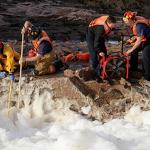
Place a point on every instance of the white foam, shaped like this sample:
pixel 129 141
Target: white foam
pixel 50 125
pixel 86 110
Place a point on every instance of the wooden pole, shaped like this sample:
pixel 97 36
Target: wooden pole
pixel 20 77
pixel 11 83
pixel 9 96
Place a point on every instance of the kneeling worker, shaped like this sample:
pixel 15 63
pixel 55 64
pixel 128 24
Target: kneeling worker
pixel 42 52
pixel 97 31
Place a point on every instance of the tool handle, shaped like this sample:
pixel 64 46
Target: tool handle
pixel 21 58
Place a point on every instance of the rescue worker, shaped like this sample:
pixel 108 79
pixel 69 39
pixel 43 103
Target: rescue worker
pixel 140 27
pixel 9 58
pixel 97 31
pixel 27 28
pixel 42 52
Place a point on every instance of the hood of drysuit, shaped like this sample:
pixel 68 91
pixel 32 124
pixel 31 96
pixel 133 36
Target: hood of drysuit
pixel 35 32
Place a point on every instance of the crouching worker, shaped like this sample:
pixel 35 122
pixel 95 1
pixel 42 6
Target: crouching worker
pixel 9 58
pixel 42 52
pixel 140 27
pixel 97 31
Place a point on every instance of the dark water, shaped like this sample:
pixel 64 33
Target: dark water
pixel 60 29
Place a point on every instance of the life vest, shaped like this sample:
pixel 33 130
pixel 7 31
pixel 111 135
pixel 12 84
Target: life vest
pixel 101 21
pixel 44 37
pixel 9 58
pixel 140 19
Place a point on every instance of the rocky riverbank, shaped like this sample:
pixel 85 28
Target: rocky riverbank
pixel 66 23
pixel 102 102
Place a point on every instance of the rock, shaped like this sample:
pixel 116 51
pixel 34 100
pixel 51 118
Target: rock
pixel 125 82
pixel 95 101
pixel 69 73
pixel 84 74
pixel 144 83
pixel 86 110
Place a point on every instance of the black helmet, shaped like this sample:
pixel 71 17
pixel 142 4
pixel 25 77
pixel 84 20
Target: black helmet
pixel 35 32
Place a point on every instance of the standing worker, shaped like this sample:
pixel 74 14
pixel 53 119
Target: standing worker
pixel 141 30
pixel 97 31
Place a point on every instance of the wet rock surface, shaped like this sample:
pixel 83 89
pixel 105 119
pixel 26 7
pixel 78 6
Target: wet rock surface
pixel 105 101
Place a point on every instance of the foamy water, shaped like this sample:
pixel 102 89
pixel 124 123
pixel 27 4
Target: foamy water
pixel 48 125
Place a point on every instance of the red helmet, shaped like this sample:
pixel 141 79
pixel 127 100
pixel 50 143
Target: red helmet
pixel 130 14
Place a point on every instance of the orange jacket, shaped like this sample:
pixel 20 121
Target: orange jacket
pixel 140 19
pixel 44 37
pixel 101 21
